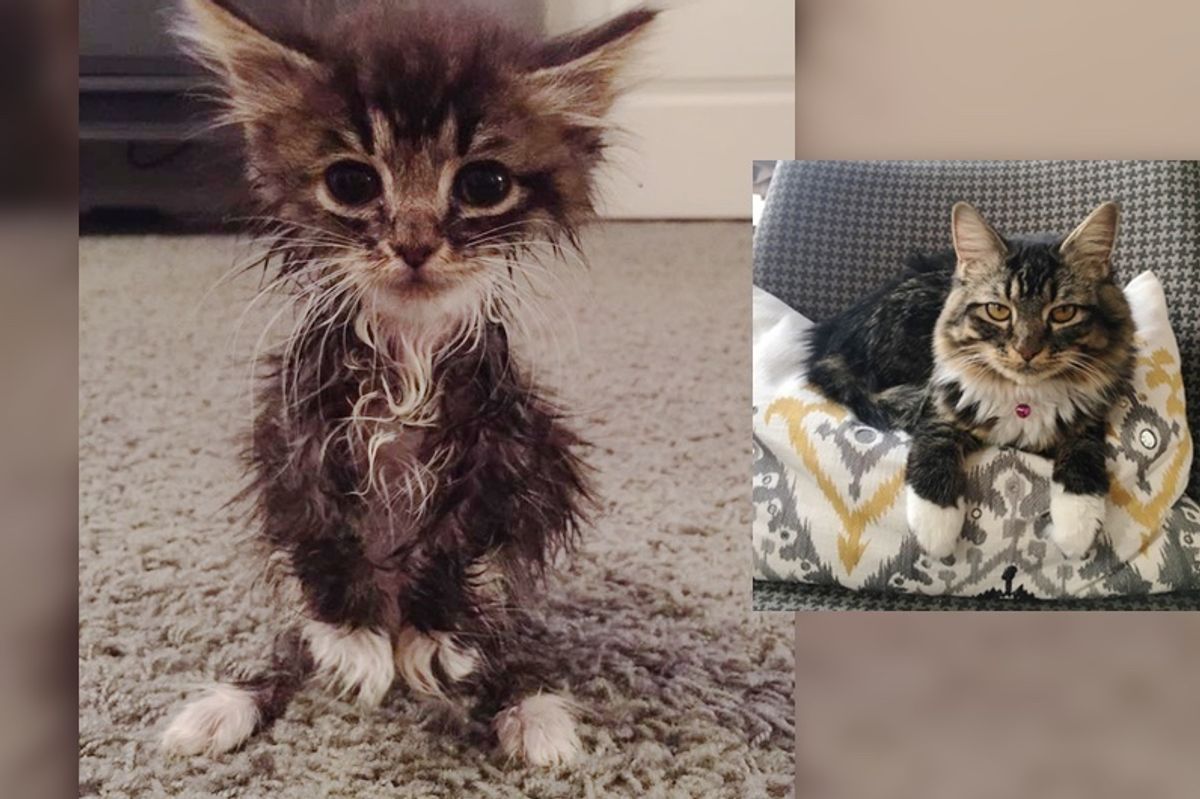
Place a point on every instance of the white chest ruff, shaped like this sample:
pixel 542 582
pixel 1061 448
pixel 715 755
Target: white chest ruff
pixel 1048 402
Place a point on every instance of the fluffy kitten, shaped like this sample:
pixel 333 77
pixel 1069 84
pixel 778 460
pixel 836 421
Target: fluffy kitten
pixel 415 168
pixel 1023 341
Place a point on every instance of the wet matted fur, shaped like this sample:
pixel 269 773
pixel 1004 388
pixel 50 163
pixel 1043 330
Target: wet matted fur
pixel 421 173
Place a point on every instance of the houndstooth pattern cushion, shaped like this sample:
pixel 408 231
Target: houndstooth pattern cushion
pixel 834 230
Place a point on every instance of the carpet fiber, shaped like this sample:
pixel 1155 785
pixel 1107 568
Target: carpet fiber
pixel 687 693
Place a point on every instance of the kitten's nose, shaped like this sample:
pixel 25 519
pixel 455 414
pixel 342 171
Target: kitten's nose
pixel 414 254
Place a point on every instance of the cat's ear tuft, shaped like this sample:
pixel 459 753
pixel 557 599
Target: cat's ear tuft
pixel 975 241
pixel 1091 244
pixel 255 69
pixel 581 72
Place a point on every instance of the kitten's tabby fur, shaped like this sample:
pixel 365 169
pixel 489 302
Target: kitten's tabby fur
pixel 407 476
pixel 951 349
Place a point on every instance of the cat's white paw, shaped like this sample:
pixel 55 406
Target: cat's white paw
pixel 937 529
pixel 1075 520
pixel 352 660
pixel 539 730
pixel 417 651
pixel 216 722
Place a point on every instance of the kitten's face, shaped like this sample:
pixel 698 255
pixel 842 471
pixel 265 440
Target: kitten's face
pixel 1038 308
pixel 413 154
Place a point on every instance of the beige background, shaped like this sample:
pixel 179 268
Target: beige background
pixel 1013 79
pixel 997 705
pixel 714 91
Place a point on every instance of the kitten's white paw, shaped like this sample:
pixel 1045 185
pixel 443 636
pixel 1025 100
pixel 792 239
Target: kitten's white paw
pixel 937 529
pixel 1075 520
pixel 214 723
pixel 352 660
pixel 540 730
pixel 416 653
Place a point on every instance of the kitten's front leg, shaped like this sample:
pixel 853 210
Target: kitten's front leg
pixel 935 483
pixel 428 661
pixel 334 641
pixel 533 725
pixel 1079 490
pixel 539 730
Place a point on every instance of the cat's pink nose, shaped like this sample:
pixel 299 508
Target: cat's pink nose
pixel 1029 351
pixel 414 254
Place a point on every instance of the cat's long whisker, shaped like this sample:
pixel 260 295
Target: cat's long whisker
pixel 240 266
pixel 288 225
pixel 269 291
pixel 492 232
pixel 314 289
pixel 541 280
pixel 529 315
pixel 351 300
pixel 314 317
pixel 1083 367
pixel 549 240
pixel 284 308
pixel 520 253
pixel 254 358
pixel 532 281
pixel 553 284
pixel 261 258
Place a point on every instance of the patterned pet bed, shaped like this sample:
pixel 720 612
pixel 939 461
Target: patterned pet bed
pixel 828 491
pixel 829 233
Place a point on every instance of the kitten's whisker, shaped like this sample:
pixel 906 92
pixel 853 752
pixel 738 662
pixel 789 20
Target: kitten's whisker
pixel 261 257
pixel 290 225
pixel 316 310
pixel 515 250
pixel 269 291
pixel 351 300
pixel 528 314
pixel 492 232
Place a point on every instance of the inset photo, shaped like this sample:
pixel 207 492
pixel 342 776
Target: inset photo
pixel 970 385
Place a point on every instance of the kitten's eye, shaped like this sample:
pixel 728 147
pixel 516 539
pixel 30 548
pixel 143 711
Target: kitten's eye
pixel 1063 313
pixel 998 312
pixel 352 182
pixel 482 184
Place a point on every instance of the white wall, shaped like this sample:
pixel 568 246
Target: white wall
pixel 718 92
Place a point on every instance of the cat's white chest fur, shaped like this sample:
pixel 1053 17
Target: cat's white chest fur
pixel 1047 402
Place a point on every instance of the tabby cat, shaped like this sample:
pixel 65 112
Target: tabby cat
pixel 417 166
pixel 1022 341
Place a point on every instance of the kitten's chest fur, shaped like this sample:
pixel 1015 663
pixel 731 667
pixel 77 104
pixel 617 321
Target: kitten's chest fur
pixel 989 407
pixel 398 475
pixel 388 501
pixel 388 450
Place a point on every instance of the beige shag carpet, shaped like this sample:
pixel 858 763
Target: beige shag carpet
pixel 687 692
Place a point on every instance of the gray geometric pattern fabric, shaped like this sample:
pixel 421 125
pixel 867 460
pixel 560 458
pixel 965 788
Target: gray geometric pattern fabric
pixel 1007 500
pixel 832 231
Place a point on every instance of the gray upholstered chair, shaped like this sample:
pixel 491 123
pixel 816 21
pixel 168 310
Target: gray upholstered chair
pixel 833 230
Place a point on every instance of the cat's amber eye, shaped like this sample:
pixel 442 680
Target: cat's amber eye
pixel 482 184
pixel 353 182
pixel 997 312
pixel 1063 313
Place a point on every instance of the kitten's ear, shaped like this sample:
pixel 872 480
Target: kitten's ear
pixel 1090 245
pixel 257 71
pixel 579 72
pixel 974 239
